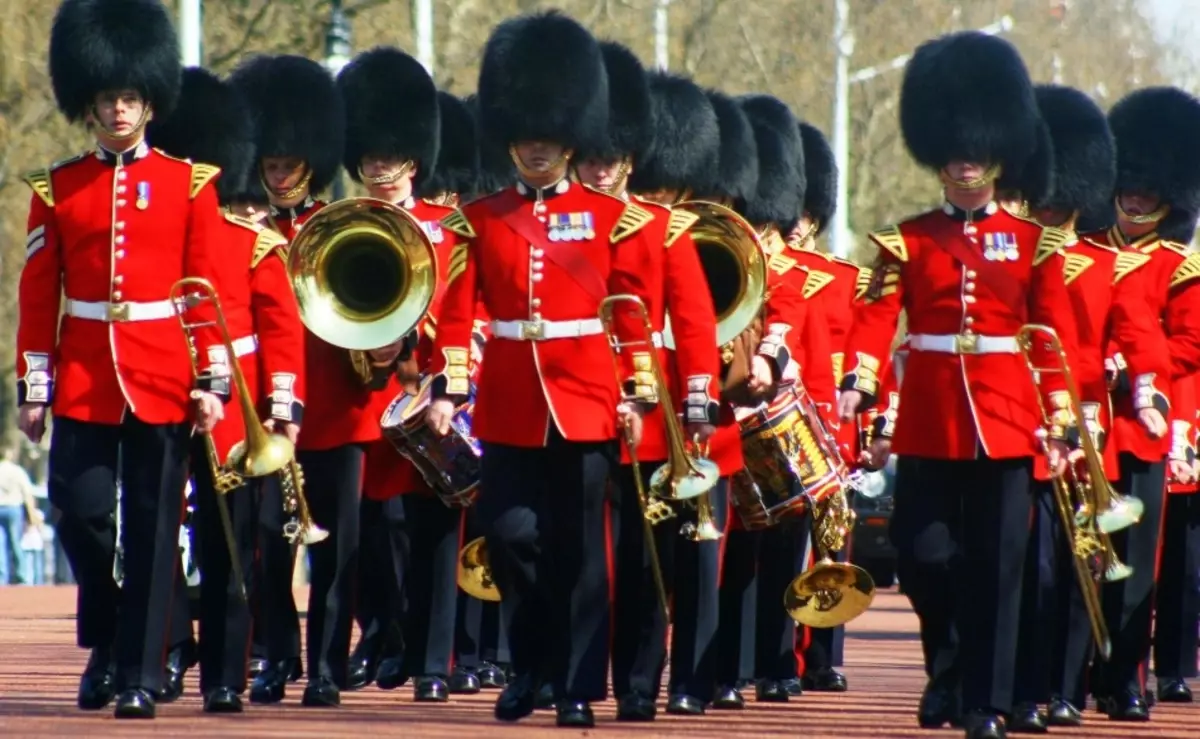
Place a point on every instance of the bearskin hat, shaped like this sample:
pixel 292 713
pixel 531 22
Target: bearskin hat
pixel 496 168
pixel 458 158
pixel 779 197
pixel 685 153
pixel 1084 153
pixel 298 111
pixel 629 116
pixel 543 79
pixel 820 176
pixel 1158 152
pixel 968 97
pixel 737 175
pixel 391 111
pixel 211 124
pixel 98 45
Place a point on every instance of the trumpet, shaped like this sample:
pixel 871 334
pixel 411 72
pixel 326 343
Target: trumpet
pixel 301 527
pixel 686 475
pixel 1082 501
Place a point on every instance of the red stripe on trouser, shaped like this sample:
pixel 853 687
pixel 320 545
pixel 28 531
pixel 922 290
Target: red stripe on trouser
pixel 803 633
pixel 609 561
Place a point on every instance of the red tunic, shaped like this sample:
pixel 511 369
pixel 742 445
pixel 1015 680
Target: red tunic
pixel 957 399
pixel 113 233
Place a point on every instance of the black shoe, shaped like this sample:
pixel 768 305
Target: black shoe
pixel 771 691
pixel 825 680
pixel 97 685
pixel 682 704
pixel 516 700
pixel 636 707
pixel 1127 705
pixel 490 675
pixel 321 693
pixel 938 707
pixel 255 666
pixel 543 698
pixel 794 686
pixel 271 684
pixel 1028 718
pixel 363 662
pixel 980 725
pixel 1174 691
pixel 463 681
pixel 135 703
pixel 179 660
pixel 1063 713
pixel 574 714
pixel 728 698
pixel 431 690
pixel 391 673
pixel 222 700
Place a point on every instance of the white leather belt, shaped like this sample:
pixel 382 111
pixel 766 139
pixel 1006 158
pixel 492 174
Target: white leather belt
pixel 119 312
pixel 245 345
pixel 963 343
pixel 543 330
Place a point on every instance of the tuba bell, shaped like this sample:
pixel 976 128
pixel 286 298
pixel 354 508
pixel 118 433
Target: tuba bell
pixel 364 273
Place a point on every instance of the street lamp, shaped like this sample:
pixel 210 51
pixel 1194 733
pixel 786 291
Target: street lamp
pixel 191 34
pixel 337 55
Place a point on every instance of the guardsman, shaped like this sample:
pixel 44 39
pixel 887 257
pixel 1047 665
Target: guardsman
pixel 1080 162
pixel 213 125
pixel 673 272
pixel 111 231
pixel 393 139
pixel 542 256
pixel 1156 294
pixel 968 274
pixel 301 129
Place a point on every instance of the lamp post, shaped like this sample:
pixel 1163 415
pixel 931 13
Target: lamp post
pixel 337 55
pixel 662 37
pixel 191 32
pixel 423 26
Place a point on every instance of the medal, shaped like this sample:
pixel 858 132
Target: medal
pixel 143 196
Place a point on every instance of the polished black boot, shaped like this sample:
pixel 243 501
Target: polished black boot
pixel 825 680
pixel 636 707
pixel 363 662
pixel 222 700
pixel 431 690
pixel 938 706
pixel 391 673
pixel 516 700
pixel 321 693
pixel 574 714
pixel 983 725
pixel 97 685
pixel 135 703
pixel 271 684
pixel 1174 690
pixel 1028 718
pixel 464 681
pixel 490 676
pixel 728 698
pixel 180 659
pixel 681 704
pixel 771 691
pixel 1126 705
pixel 1062 713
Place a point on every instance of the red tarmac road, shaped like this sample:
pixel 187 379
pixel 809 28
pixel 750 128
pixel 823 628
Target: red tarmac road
pixel 40 666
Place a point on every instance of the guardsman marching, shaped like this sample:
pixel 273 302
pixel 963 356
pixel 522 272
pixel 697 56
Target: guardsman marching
pixel 212 125
pixel 542 256
pixel 673 272
pixel 112 230
pixel 301 129
pixel 1154 301
pixel 968 275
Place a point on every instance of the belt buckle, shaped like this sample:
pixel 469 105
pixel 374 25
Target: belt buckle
pixel 533 330
pixel 118 312
pixel 966 344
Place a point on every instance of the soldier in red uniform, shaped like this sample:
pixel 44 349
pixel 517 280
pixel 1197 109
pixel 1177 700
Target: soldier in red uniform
pixel 1156 294
pixel 643 109
pixel 541 256
pixel 300 134
pixel 112 230
pixel 968 275
pixel 212 125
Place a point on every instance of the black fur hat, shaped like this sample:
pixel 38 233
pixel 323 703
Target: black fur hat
pixel 543 79
pixel 211 124
pixel 686 151
pixel 738 172
pixel 458 160
pixel 98 45
pixel 1084 153
pixel 779 197
pixel 629 115
pixel 1032 179
pixel 298 111
pixel 391 111
pixel 968 97
pixel 820 176
pixel 496 168
pixel 1158 151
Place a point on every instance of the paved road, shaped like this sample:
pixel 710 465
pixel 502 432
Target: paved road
pixel 39 668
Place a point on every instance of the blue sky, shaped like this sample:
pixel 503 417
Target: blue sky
pixel 1176 21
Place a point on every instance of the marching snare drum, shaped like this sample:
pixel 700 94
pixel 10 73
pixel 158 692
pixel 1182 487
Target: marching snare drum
pixel 450 463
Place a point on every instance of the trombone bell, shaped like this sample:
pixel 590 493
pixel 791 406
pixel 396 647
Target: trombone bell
pixel 699 475
pixel 830 594
pixel 265 455
pixel 1123 512
pixel 474 572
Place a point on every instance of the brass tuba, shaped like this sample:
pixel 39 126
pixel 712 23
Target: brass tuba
pixel 364 273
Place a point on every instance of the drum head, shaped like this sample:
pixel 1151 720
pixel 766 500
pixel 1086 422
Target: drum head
pixel 407 409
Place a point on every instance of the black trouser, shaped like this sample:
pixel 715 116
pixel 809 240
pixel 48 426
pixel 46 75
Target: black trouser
pixel 543 513
pixel 691 572
pixel 738 612
pixel 333 483
pixel 826 647
pixel 225 623
pixel 964 526
pixel 1128 603
pixel 479 635
pixel 83 477
pixel 413 541
pixel 380 606
pixel 1177 599
pixel 276 620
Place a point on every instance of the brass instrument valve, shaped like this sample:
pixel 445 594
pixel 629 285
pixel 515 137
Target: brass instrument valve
pixel 641 388
pixel 1063 424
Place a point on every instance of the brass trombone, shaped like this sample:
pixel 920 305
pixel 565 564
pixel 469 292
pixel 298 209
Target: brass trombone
pixel 1080 499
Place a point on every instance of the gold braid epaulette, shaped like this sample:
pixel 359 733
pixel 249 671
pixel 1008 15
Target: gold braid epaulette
pixel 892 241
pixel 266 243
pixel 1187 271
pixel 1127 262
pixel 815 281
pixel 457 223
pixel 862 282
pixel 633 219
pixel 1049 243
pixel 678 225
pixel 202 174
pixel 1074 265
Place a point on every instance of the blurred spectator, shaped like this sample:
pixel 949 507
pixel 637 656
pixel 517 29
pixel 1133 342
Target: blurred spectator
pixel 16 493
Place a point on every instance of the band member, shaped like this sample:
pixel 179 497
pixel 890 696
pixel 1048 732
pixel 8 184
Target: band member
pixel 213 125
pixel 673 272
pixel 1158 202
pixel 114 229
pixel 301 129
pixel 968 275
pixel 542 256
pixel 1055 639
